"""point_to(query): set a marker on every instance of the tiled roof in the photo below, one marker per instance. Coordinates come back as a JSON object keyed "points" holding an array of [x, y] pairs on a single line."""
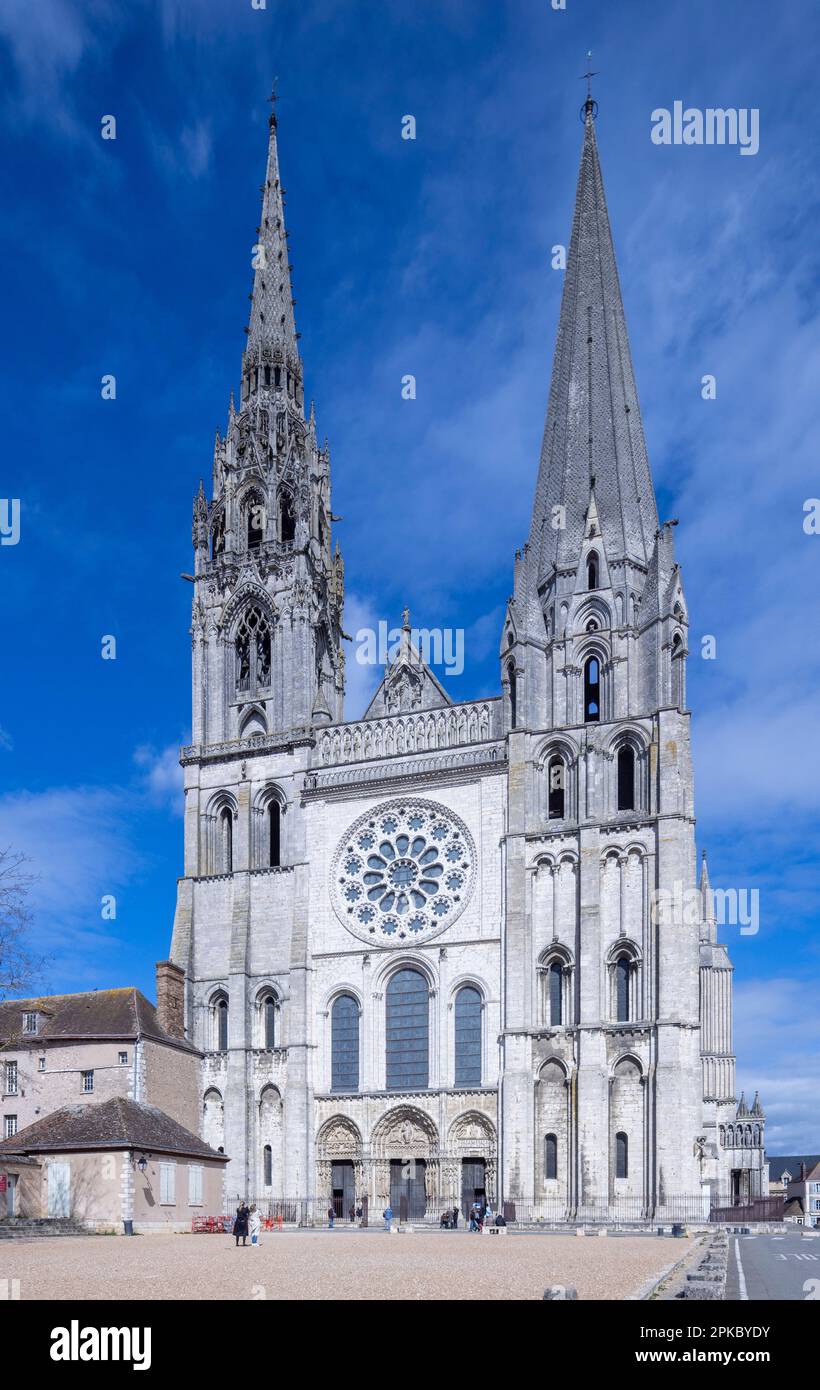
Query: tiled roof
{"points": [[99, 1013], [111, 1124], [777, 1166]]}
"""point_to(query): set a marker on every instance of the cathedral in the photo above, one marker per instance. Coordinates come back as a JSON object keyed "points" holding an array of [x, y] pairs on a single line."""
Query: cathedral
{"points": [[453, 950]]}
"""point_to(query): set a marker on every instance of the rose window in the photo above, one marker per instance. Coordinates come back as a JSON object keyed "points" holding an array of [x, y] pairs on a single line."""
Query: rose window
{"points": [[403, 872]]}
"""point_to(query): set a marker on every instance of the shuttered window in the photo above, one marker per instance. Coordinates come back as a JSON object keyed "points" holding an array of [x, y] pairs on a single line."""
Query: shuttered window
{"points": [[167, 1183], [194, 1184]]}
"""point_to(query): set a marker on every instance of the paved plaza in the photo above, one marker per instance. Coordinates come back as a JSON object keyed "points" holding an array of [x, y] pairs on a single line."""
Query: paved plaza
{"points": [[343, 1264]]}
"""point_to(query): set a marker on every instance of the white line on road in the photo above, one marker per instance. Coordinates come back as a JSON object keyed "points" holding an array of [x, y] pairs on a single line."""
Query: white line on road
{"points": [[741, 1278]]}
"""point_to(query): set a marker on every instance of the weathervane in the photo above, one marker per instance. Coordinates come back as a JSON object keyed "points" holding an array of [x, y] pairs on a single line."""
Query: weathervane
{"points": [[590, 106]]}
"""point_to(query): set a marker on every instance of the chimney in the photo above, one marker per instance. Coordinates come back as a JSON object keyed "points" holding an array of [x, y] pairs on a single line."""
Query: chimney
{"points": [[171, 997]]}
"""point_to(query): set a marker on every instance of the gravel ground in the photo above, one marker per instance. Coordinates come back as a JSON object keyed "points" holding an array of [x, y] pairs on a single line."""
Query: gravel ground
{"points": [[338, 1265]]}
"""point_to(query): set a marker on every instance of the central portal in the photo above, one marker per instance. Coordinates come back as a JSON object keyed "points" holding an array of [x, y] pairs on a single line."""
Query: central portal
{"points": [[408, 1188]]}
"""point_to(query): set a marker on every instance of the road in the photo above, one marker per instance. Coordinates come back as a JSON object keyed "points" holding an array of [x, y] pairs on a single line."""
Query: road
{"points": [[774, 1267]]}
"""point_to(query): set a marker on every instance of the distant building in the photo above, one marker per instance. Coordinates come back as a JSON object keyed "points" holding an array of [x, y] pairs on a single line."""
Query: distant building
{"points": [[91, 1084], [802, 1190], [782, 1170]]}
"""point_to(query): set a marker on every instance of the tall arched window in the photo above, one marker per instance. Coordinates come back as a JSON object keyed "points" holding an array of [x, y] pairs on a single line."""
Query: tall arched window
{"points": [[253, 652], [677, 670], [226, 840], [468, 1037], [267, 1165], [344, 1044], [626, 778], [513, 688], [218, 536], [287, 520], [592, 690], [407, 1031], [556, 991], [621, 1156], [551, 1156], [222, 1025], [275, 834], [269, 1022], [592, 571], [556, 774], [255, 521], [623, 971]]}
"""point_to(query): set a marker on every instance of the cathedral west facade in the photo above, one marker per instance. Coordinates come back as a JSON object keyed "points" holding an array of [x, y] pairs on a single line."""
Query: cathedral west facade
{"points": [[434, 952]]}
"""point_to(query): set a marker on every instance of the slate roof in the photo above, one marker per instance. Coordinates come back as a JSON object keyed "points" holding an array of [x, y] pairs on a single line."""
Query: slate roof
{"points": [[99, 1013], [110, 1124], [777, 1166], [593, 425]]}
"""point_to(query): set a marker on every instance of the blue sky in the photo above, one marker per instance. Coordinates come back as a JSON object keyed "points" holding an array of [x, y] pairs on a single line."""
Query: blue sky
{"points": [[431, 257]]}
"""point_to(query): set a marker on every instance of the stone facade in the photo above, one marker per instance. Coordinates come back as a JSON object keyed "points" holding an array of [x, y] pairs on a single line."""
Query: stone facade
{"points": [[445, 948]]}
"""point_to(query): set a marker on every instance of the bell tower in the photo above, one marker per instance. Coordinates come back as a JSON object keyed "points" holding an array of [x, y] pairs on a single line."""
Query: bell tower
{"points": [[268, 589]]}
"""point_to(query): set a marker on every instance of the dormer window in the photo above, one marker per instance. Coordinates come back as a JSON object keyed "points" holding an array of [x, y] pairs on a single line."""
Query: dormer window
{"points": [[30, 1023]]}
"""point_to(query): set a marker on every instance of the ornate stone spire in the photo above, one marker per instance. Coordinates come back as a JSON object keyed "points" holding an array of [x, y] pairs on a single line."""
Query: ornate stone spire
{"points": [[272, 325], [593, 426]]}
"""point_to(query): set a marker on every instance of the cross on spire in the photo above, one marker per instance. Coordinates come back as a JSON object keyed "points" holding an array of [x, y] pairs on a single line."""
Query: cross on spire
{"points": [[588, 75]]}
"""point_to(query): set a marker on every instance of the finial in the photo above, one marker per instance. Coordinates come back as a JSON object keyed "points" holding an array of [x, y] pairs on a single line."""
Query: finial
{"points": [[405, 618], [590, 108], [273, 98]]}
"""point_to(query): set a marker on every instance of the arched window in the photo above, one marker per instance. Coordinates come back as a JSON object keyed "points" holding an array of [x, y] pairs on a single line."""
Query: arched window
{"points": [[407, 1031], [269, 1022], [513, 686], [551, 1156], [677, 670], [621, 1156], [275, 834], [556, 774], [253, 652], [226, 840], [222, 1025], [623, 971], [218, 536], [626, 778], [287, 520], [592, 570], [468, 1037], [267, 1165], [256, 521], [556, 982], [344, 1044], [592, 690]]}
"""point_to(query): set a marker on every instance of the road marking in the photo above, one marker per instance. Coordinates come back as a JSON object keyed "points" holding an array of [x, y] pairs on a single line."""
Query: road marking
{"points": [[741, 1278]]}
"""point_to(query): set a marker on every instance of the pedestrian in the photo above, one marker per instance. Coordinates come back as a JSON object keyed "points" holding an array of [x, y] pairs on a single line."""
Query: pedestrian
{"points": [[359, 1212], [499, 1220], [388, 1216], [351, 1215], [240, 1225], [488, 1214], [254, 1226], [331, 1216], [455, 1218]]}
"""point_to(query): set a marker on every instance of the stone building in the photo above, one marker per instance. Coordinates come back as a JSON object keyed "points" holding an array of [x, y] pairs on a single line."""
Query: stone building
{"points": [[447, 949]]}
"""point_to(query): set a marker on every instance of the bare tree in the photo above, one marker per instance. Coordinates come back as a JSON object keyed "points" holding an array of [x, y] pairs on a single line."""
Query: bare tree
{"points": [[20, 967]]}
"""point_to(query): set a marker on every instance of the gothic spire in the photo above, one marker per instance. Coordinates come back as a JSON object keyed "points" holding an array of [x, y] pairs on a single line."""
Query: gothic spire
{"points": [[593, 427], [272, 322]]}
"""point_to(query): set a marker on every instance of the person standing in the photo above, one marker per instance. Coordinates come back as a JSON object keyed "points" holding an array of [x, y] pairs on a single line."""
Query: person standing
{"points": [[388, 1217], [254, 1226], [331, 1216], [240, 1225]]}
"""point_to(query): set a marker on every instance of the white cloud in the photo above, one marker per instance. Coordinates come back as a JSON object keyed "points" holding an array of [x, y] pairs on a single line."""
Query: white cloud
{"points": [[777, 1039], [162, 775], [360, 680]]}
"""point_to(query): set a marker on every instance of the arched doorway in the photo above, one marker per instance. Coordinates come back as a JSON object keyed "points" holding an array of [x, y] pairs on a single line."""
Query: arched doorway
{"points": [[406, 1152]]}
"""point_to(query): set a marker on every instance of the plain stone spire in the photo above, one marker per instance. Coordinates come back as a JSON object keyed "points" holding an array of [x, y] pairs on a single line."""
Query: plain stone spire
{"points": [[593, 426]]}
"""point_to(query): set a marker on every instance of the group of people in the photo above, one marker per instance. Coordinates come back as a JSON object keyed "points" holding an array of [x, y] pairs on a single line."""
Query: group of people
{"points": [[247, 1222], [480, 1215], [354, 1213]]}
